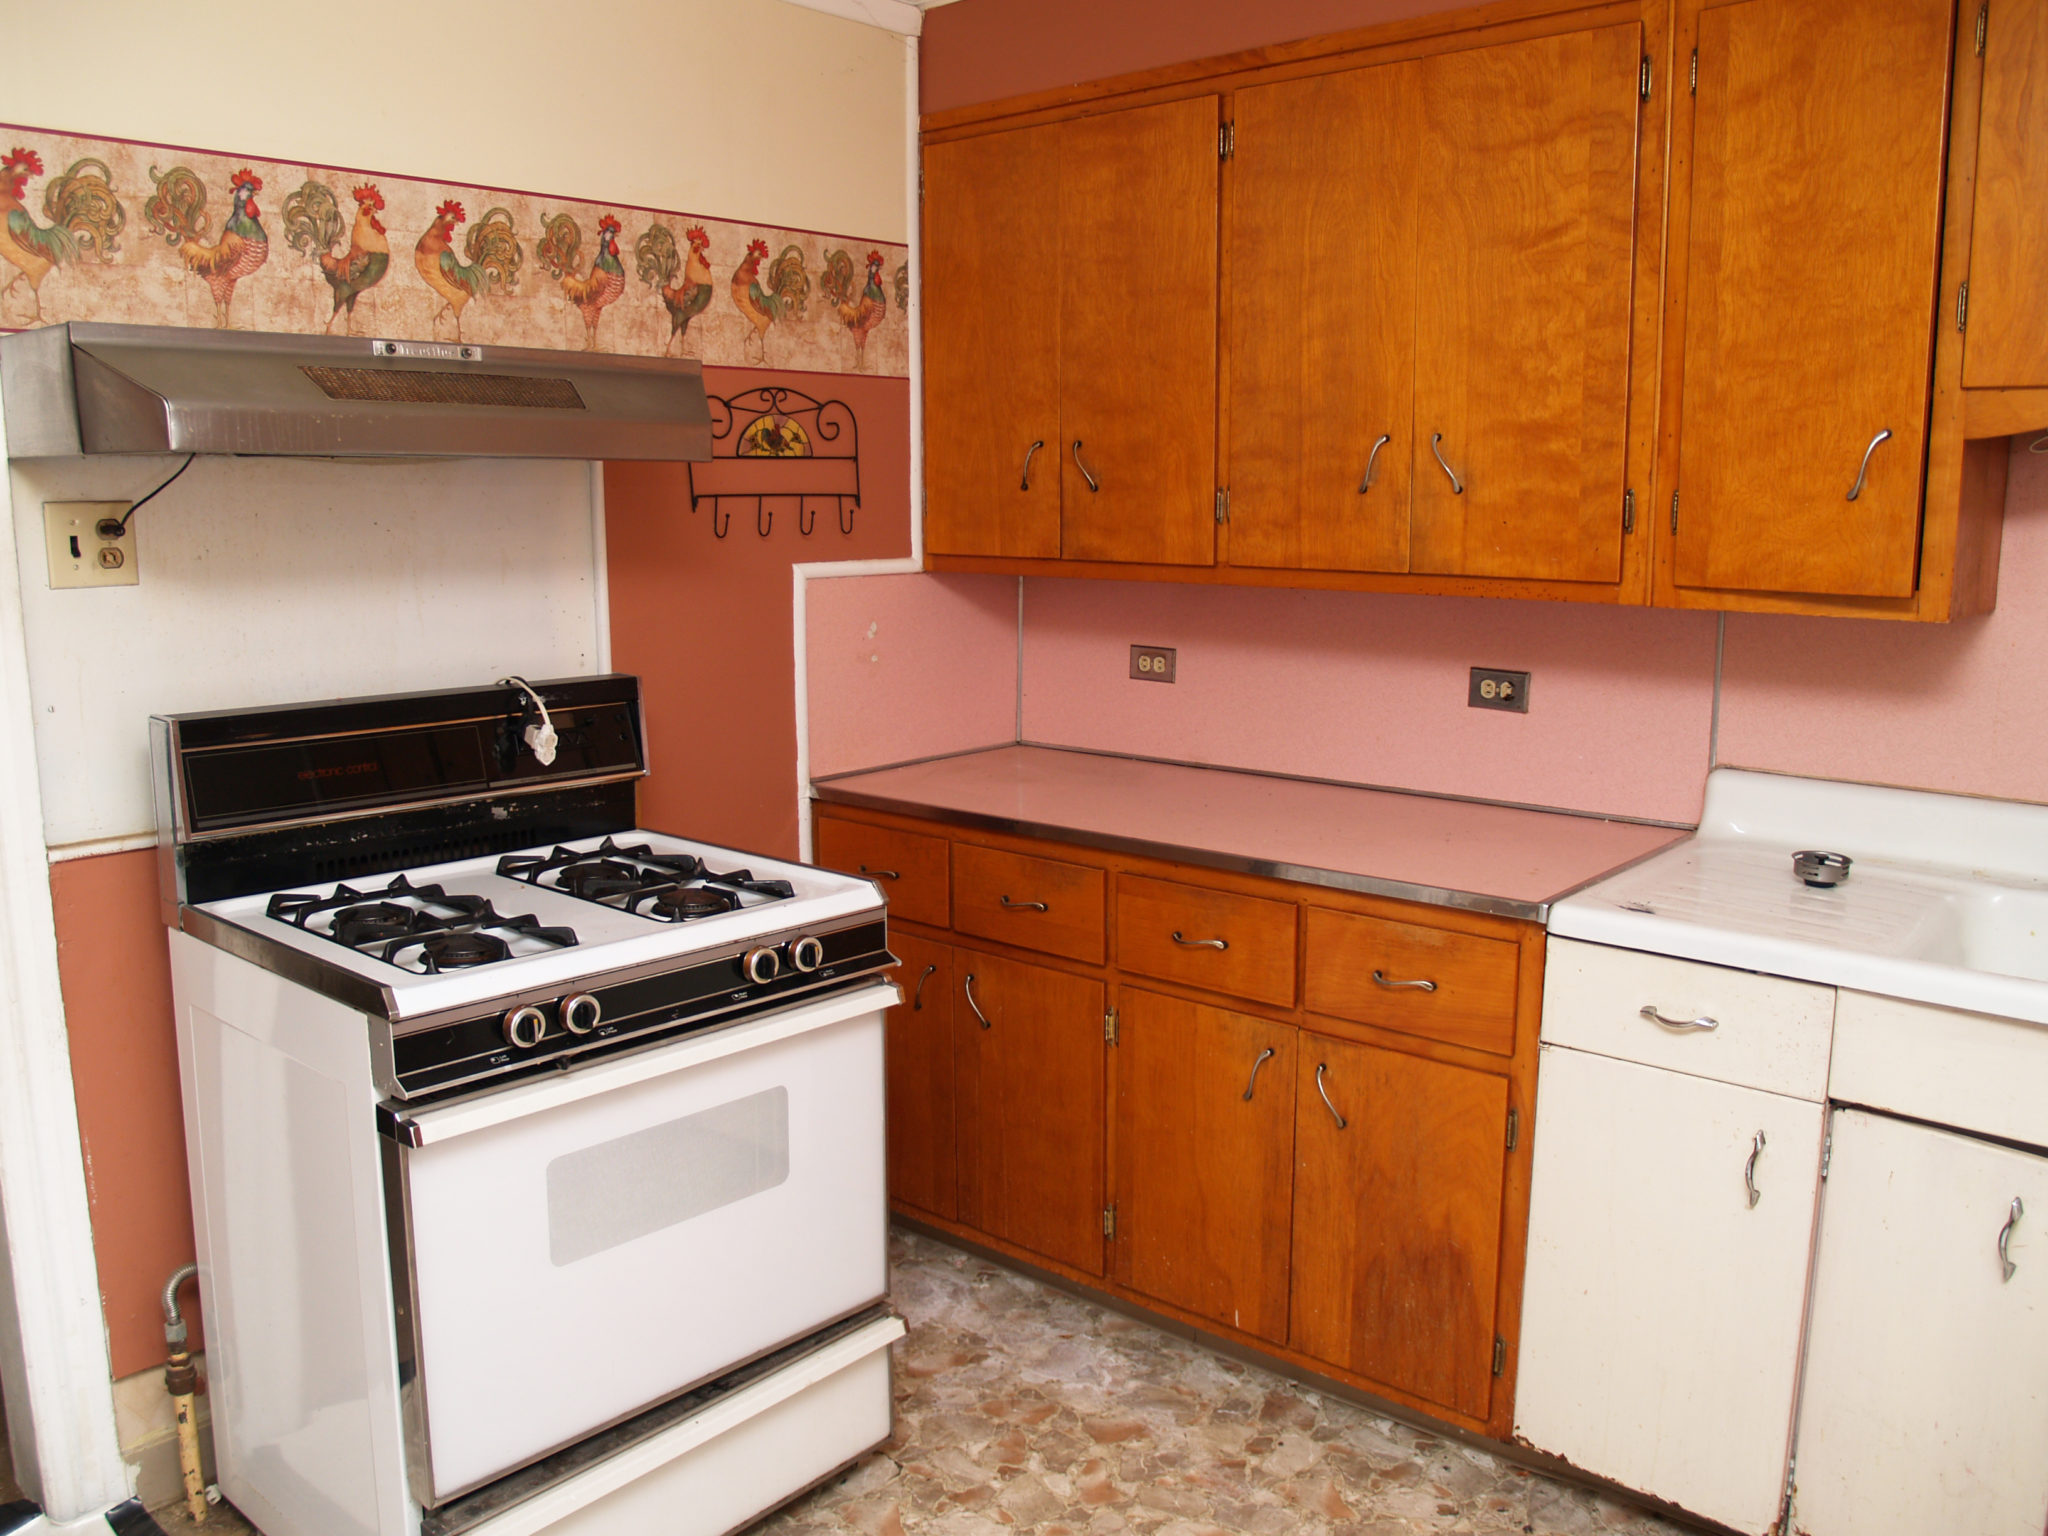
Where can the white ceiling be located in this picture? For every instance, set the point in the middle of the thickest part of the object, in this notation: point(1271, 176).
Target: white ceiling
point(901, 16)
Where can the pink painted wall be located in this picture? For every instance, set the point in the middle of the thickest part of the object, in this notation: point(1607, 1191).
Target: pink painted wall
point(904, 667)
point(1371, 689)
point(1960, 707)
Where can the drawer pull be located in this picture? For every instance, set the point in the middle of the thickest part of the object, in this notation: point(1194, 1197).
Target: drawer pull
point(1370, 460)
point(972, 1003)
point(880, 874)
point(1025, 906)
point(1749, 1170)
point(917, 997)
point(1396, 986)
point(1321, 1068)
point(1864, 468)
point(1681, 1026)
point(2005, 1236)
point(1199, 943)
point(1025, 485)
point(1248, 1087)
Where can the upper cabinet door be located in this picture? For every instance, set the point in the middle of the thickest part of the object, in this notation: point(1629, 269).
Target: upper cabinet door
point(991, 367)
point(2007, 343)
point(1322, 322)
point(1137, 325)
point(1526, 172)
point(1815, 237)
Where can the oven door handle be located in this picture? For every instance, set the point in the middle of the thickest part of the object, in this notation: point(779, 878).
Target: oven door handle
point(428, 1127)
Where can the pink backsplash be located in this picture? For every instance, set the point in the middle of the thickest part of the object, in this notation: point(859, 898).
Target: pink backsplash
point(1370, 689)
point(903, 667)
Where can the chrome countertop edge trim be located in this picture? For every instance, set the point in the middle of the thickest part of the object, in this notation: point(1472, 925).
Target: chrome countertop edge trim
point(1207, 858)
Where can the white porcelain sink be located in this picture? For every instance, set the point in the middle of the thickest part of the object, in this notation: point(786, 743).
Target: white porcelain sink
point(1947, 901)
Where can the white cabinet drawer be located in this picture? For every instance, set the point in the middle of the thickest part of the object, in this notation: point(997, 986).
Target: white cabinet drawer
point(1963, 1069)
point(1766, 1032)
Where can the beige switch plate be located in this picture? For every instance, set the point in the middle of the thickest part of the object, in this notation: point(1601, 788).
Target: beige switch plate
point(80, 555)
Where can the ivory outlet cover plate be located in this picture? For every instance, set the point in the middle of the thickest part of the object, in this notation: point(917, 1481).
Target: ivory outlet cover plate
point(80, 554)
point(1152, 663)
point(1492, 688)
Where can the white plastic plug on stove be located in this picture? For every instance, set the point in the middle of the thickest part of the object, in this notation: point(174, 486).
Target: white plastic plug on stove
point(540, 739)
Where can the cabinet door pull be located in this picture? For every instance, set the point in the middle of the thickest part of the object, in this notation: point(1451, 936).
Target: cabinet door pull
point(1756, 1148)
point(1370, 460)
point(1395, 986)
point(2012, 1220)
point(1863, 468)
point(1093, 484)
point(880, 874)
point(1457, 486)
point(1025, 484)
point(1342, 1123)
point(1199, 943)
point(917, 997)
point(1248, 1087)
point(969, 989)
point(1682, 1026)
point(1025, 906)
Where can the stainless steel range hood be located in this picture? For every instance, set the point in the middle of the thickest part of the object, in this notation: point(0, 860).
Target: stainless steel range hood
point(84, 388)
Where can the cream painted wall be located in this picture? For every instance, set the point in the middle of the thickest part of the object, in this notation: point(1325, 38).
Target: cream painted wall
point(745, 109)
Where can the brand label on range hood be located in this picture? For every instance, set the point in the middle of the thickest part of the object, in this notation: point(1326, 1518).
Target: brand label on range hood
point(445, 351)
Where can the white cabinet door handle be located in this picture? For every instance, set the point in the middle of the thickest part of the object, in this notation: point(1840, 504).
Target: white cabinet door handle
point(1681, 1026)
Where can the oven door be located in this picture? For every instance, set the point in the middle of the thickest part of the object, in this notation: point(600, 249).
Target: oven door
point(571, 1250)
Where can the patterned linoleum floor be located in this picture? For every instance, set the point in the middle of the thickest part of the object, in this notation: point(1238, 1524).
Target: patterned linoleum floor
point(1020, 1408)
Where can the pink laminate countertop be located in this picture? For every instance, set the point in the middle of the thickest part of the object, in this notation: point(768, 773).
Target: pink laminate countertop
point(1486, 858)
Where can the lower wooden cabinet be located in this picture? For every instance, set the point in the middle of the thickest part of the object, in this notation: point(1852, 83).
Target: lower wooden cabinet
point(1028, 1044)
point(919, 1081)
point(1205, 1154)
point(1398, 1182)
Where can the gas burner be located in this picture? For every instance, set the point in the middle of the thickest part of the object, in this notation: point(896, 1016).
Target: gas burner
point(301, 907)
point(453, 951)
point(600, 878)
point(666, 887)
point(421, 928)
point(373, 923)
point(679, 903)
point(482, 939)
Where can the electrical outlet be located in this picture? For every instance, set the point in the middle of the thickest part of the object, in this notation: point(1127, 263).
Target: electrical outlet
point(1494, 689)
point(1152, 663)
point(88, 547)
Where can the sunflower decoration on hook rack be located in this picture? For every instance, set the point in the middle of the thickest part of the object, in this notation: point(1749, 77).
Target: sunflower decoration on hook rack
point(778, 445)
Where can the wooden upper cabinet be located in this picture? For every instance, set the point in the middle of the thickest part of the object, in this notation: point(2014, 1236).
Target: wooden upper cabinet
point(991, 364)
point(1526, 172)
point(1322, 320)
point(1137, 323)
point(1815, 233)
point(2007, 342)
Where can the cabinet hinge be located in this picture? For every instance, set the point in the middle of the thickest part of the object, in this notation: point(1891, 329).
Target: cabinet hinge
point(920, 186)
point(1223, 504)
point(1695, 71)
point(1109, 1026)
point(1674, 511)
point(1500, 1354)
point(1827, 1152)
point(1643, 80)
point(1983, 24)
point(1226, 141)
point(1962, 303)
point(1109, 1222)
point(1514, 1128)
point(1628, 511)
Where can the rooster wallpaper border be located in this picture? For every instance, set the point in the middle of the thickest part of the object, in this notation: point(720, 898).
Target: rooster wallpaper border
point(155, 234)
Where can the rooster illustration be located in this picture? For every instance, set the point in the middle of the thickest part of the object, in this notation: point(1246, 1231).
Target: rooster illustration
point(903, 286)
point(312, 224)
point(177, 211)
point(786, 296)
point(493, 266)
point(84, 215)
point(859, 311)
point(561, 239)
point(657, 258)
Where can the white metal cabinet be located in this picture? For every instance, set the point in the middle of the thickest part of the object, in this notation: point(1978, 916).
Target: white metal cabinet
point(1661, 1309)
point(1925, 1404)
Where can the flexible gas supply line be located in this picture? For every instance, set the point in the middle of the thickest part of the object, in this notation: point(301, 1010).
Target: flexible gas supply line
point(181, 1380)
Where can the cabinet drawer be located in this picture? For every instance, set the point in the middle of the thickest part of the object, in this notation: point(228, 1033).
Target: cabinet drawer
point(1767, 1032)
point(909, 867)
point(1970, 1070)
point(1357, 967)
point(1173, 931)
point(1041, 904)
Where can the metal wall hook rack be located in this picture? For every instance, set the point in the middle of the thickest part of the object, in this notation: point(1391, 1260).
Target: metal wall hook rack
point(776, 444)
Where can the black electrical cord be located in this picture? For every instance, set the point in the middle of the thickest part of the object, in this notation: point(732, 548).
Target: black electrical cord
point(159, 490)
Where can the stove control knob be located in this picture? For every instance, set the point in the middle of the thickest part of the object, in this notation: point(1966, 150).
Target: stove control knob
point(807, 954)
point(581, 1013)
point(762, 965)
point(525, 1026)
